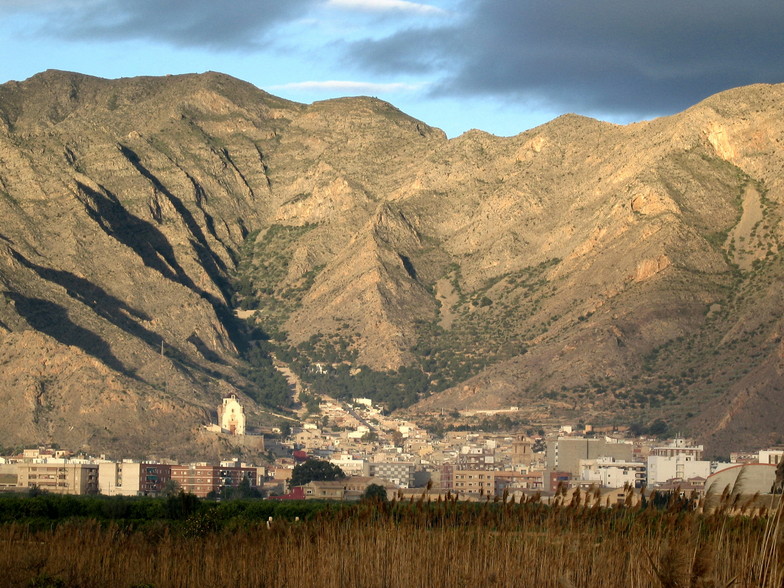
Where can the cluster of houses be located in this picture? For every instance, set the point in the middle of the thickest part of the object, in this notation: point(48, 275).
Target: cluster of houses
point(475, 465)
point(470, 466)
point(60, 473)
point(371, 448)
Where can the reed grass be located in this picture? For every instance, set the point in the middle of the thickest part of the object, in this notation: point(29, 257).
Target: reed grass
point(444, 543)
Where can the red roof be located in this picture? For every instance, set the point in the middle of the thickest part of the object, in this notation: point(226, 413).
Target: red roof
point(298, 493)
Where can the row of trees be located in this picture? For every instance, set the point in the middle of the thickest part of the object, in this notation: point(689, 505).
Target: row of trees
point(315, 470)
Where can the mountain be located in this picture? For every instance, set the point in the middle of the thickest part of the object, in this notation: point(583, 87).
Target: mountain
point(164, 238)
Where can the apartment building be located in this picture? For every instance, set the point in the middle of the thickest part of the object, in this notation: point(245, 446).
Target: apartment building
point(770, 456)
point(129, 478)
point(475, 481)
point(201, 479)
point(400, 473)
point(59, 477)
point(679, 447)
point(350, 465)
point(477, 458)
point(610, 473)
point(565, 453)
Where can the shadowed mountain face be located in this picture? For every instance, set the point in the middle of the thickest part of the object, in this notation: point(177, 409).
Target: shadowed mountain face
point(580, 269)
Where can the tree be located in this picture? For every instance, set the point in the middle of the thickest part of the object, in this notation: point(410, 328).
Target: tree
point(311, 402)
point(285, 428)
point(242, 491)
point(375, 493)
point(315, 469)
point(636, 429)
point(658, 428)
point(182, 505)
point(171, 488)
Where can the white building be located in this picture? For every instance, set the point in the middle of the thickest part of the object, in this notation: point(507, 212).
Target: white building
point(679, 446)
point(119, 479)
point(662, 468)
point(609, 473)
point(349, 464)
point(771, 456)
point(361, 431)
point(231, 416)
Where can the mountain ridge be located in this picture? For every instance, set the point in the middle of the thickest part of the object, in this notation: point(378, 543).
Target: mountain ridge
point(593, 271)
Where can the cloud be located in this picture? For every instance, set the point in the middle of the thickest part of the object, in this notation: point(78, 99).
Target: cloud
point(336, 86)
point(608, 56)
point(239, 24)
point(387, 5)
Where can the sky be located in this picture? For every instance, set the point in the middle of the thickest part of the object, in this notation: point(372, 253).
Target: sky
point(502, 66)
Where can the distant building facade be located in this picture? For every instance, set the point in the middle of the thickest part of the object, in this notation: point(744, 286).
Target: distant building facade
point(679, 447)
point(59, 477)
point(662, 468)
point(130, 478)
point(477, 458)
point(399, 473)
point(474, 482)
point(202, 479)
point(565, 453)
point(231, 416)
point(770, 456)
point(350, 488)
point(522, 453)
point(350, 465)
point(610, 473)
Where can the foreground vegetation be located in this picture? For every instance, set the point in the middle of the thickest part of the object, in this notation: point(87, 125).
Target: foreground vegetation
point(408, 544)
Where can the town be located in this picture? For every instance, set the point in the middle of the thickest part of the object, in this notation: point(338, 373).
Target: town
point(370, 447)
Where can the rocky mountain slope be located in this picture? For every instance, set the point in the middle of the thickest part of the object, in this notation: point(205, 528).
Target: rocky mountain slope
point(580, 269)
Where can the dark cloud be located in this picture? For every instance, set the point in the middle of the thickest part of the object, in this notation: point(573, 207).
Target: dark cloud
point(235, 24)
point(626, 57)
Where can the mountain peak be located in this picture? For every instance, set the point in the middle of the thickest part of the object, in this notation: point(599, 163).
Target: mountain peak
point(577, 270)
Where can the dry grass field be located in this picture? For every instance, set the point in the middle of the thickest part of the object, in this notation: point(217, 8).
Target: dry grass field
point(407, 545)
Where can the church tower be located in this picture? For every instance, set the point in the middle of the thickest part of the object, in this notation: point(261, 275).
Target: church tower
point(231, 417)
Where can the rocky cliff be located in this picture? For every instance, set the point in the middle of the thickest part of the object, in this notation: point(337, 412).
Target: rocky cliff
point(581, 268)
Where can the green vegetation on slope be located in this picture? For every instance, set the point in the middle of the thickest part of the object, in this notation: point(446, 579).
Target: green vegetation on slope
point(326, 364)
point(261, 277)
point(491, 324)
point(269, 387)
